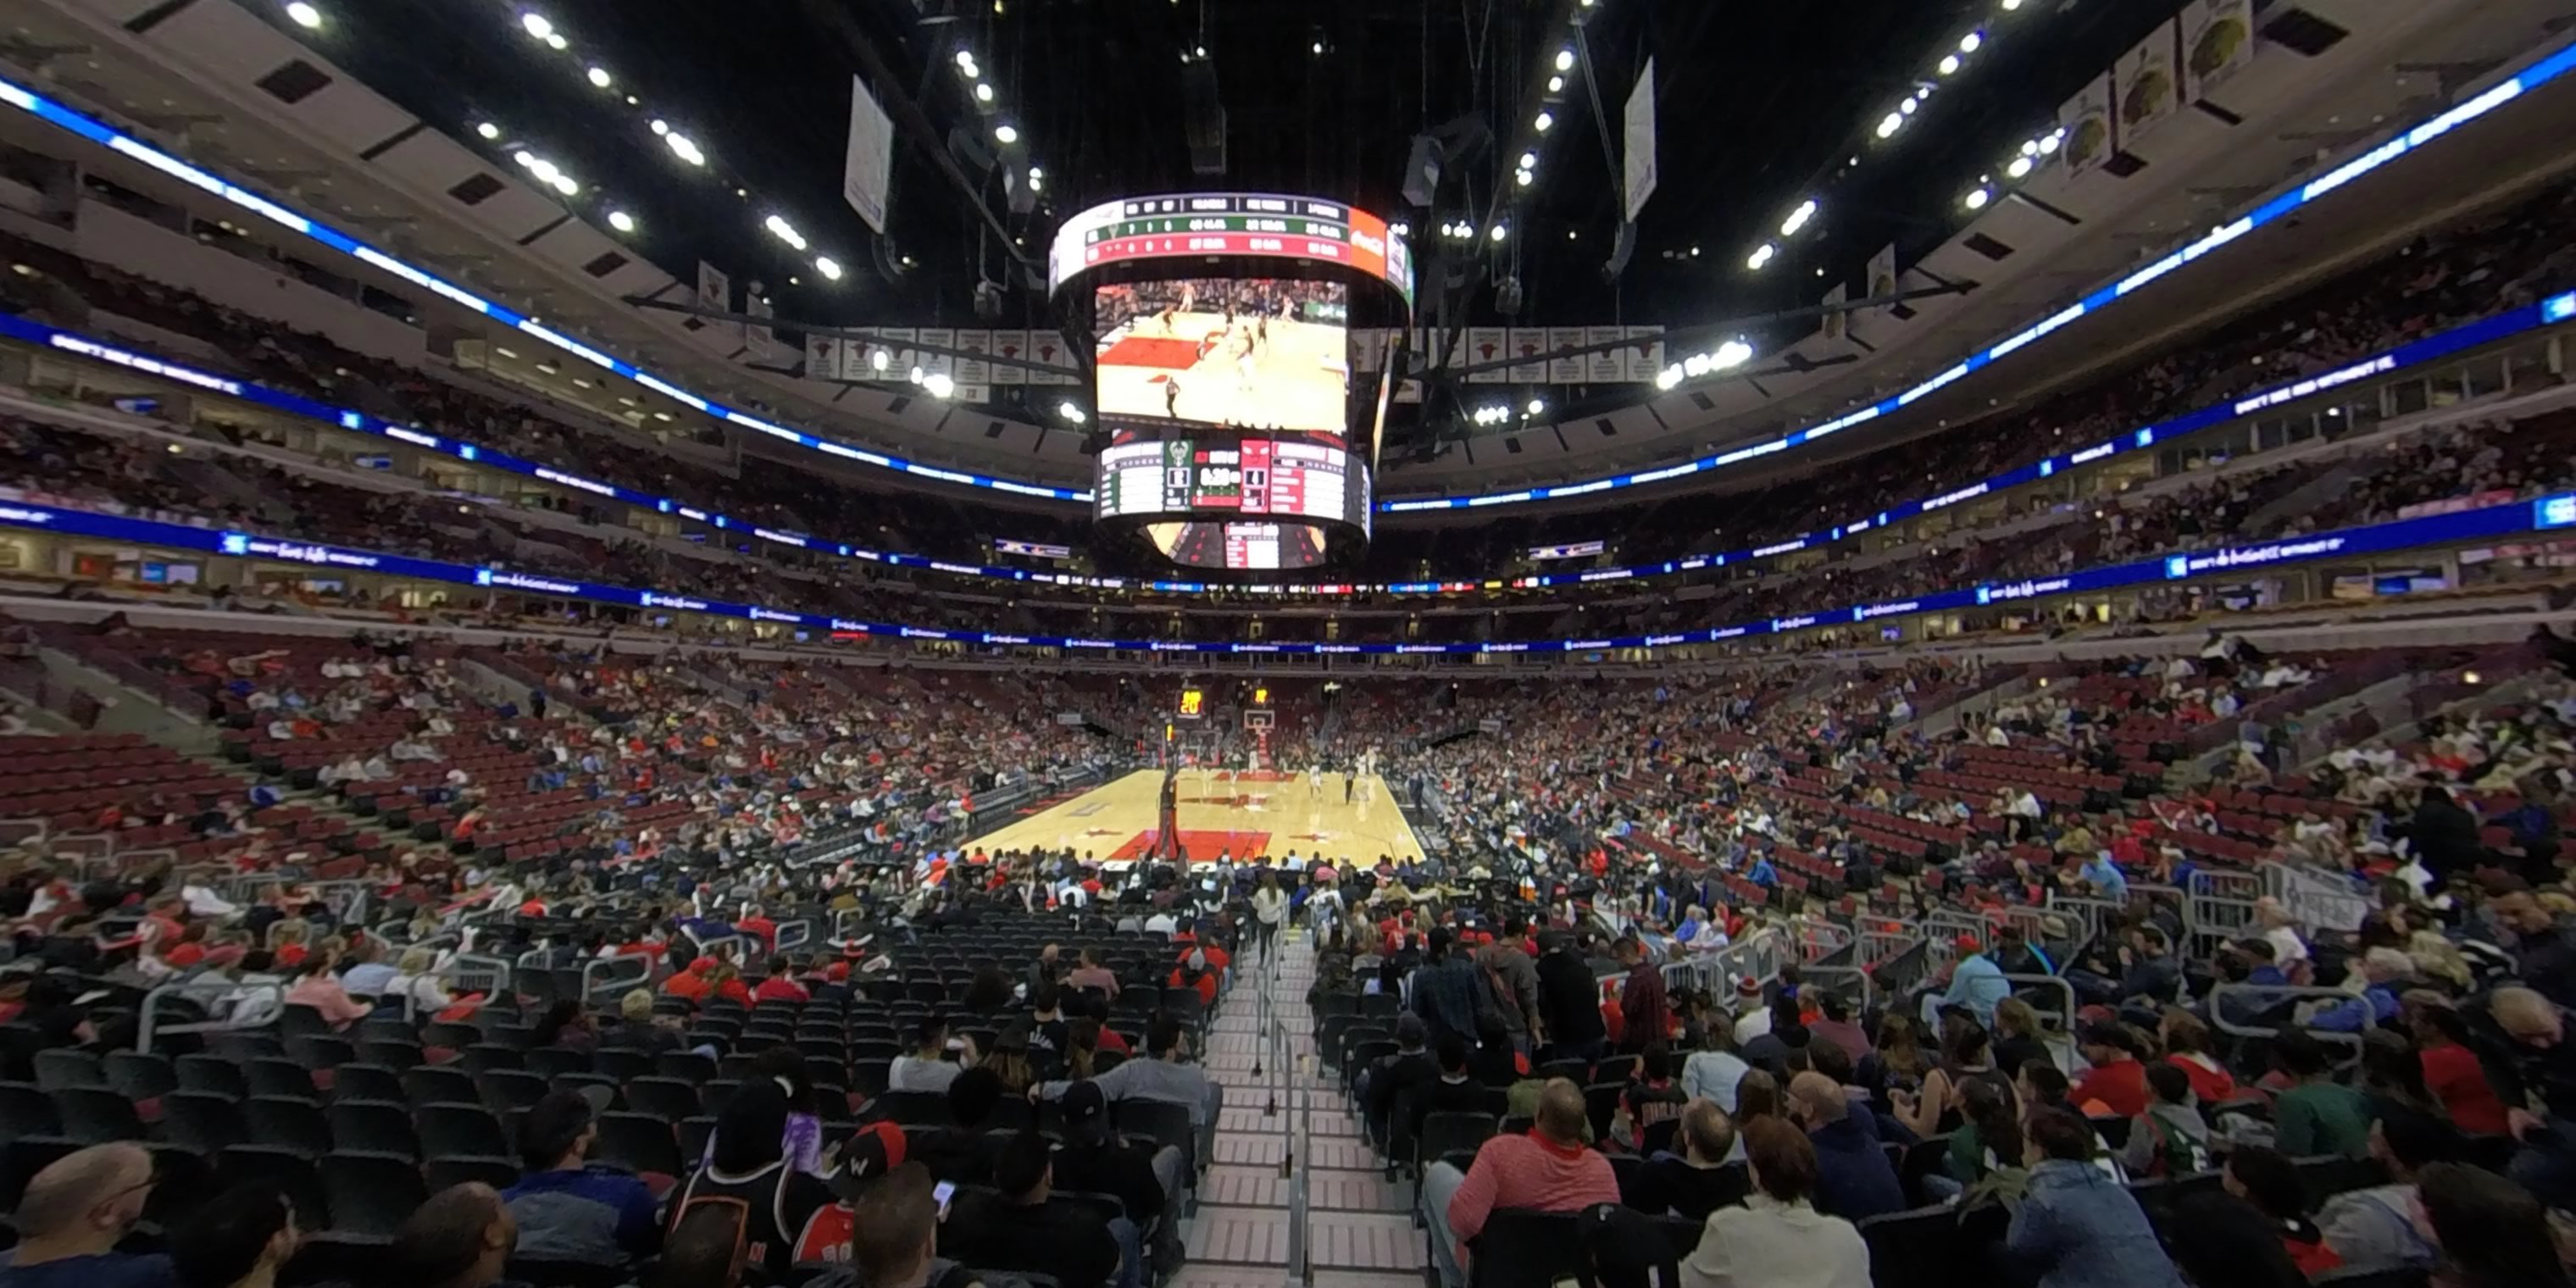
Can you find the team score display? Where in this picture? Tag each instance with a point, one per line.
(1252, 353)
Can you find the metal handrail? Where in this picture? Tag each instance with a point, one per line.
(2279, 993)
(2057, 982)
(147, 1020)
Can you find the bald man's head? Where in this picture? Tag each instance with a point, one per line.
(460, 1238)
(1707, 1132)
(89, 1195)
(1560, 1111)
(2530, 1018)
(1817, 1100)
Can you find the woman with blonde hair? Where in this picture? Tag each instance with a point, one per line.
(2438, 960)
(416, 984)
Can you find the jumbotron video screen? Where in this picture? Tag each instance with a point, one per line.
(1247, 352)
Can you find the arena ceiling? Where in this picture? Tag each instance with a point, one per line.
(1761, 105)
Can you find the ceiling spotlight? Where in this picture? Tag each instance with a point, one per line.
(621, 221)
(1907, 107)
(2049, 144)
(527, 160)
(829, 267)
(939, 383)
(599, 76)
(1888, 126)
(1498, 232)
(557, 42)
(661, 127)
(1545, 120)
(1968, 43)
(1565, 60)
(304, 15)
(1070, 411)
(537, 25)
(2030, 147)
(684, 148)
(1978, 198)
(1668, 377)
(1400, 229)
(1761, 257)
(2020, 166)
(1537, 406)
(983, 92)
(965, 59)
(1949, 64)
(1523, 178)
(1730, 355)
(1006, 132)
(779, 227)
(632, 101)
(1798, 218)
(563, 183)
(916, 373)
(2010, 5)
(1319, 46)
(488, 130)
(877, 359)
(1037, 182)
(1555, 84)
(1529, 160)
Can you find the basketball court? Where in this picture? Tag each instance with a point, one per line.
(1239, 813)
(1294, 378)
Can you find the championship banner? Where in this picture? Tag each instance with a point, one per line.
(1645, 354)
(975, 370)
(823, 357)
(2217, 43)
(1487, 344)
(715, 291)
(1606, 366)
(1563, 370)
(931, 363)
(1047, 347)
(1527, 342)
(1010, 344)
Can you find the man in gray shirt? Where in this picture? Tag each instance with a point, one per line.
(927, 1066)
(1162, 1078)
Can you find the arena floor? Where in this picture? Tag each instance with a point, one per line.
(1221, 811)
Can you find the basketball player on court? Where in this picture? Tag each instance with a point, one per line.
(1314, 780)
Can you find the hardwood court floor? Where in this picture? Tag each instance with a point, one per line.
(1239, 813)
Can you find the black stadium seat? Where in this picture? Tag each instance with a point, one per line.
(371, 1193)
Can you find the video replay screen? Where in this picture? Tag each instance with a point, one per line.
(1244, 352)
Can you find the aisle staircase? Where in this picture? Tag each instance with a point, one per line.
(1359, 1231)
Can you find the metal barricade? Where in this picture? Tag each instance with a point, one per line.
(1876, 947)
(1944, 927)
(2219, 906)
(2028, 987)
(252, 1006)
(2091, 915)
(1850, 981)
(2259, 998)
(615, 975)
(795, 934)
(1818, 939)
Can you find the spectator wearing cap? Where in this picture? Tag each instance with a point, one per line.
(1778, 1238)
(1094, 1160)
(1024, 1232)
(564, 1210)
(1752, 1018)
(872, 1154)
(1976, 983)
(2077, 1227)
(1853, 1177)
(1392, 1083)
(1546, 1169)
(2117, 1079)
(1197, 972)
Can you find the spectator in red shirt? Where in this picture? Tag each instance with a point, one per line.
(2187, 1048)
(781, 986)
(757, 924)
(1545, 1170)
(2453, 1073)
(2118, 1080)
(691, 984)
(1194, 972)
(726, 982)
